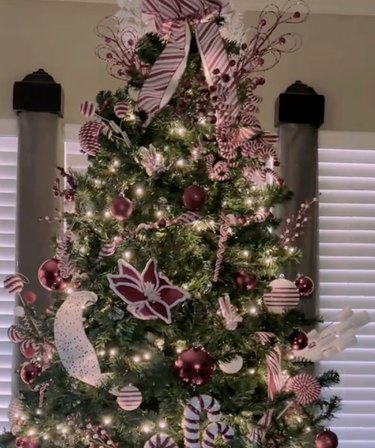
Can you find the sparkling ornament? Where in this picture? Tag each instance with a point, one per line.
(194, 197)
(29, 373)
(121, 208)
(14, 335)
(326, 439)
(29, 297)
(19, 311)
(129, 398)
(29, 349)
(244, 280)
(233, 366)
(283, 296)
(298, 340)
(49, 276)
(194, 366)
(88, 137)
(305, 285)
(306, 388)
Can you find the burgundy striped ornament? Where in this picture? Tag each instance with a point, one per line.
(87, 109)
(129, 398)
(29, 349)
(121, 109)
(108, 250)
(88, 137)
(284, 296)
(14, 283)
(14, 335)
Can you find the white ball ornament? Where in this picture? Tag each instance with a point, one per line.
(129, 398)
(233, 366)
(283, 296)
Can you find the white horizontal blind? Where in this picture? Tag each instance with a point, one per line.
(347, 273)
(8, 173)
(74, 158)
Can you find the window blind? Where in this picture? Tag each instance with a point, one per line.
(347, 273)
(8, 174)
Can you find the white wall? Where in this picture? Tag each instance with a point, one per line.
(337, 59)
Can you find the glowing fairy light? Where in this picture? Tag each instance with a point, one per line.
(162, 424)
(89, 214)
(147, 356)
(107, 420)
(180, 163)
(146, 428)
(139, 192)
(246, 253)
(137, 359)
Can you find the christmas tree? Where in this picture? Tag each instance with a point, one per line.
(191, 336)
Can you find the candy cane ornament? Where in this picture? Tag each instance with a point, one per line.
(160, 441)
(190, 423)
(214, 430)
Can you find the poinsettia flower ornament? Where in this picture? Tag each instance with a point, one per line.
(149, 295)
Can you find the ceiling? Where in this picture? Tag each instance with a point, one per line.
(346, 7)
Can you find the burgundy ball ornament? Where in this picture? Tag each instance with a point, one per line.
(244, 280)
(194, 366)
(305, 285)
(298, 340)
(121, 208)
(29, 373)
(326, 439)
(49, 276)
(27, 442)
(194, 197)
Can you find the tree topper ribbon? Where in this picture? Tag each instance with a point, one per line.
(174, 19)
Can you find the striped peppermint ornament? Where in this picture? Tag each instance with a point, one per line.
(306, 388)
(14, 283)
(129, 398)
(14, 335)
(214, 430)
(160, 441)
(88, 137)
(87, 109)
(192, 413)
(284, 296)
(121, 109)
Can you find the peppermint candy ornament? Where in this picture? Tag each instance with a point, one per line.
(121, 109)
(129, 398)
(88, 137)
(284, 296)
(306, 388)
(87, 109)
(14, 283)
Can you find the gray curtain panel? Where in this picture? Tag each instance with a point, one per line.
(40, 150)
(298, 152)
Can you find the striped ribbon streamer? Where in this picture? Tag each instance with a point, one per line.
(275, 382)
(174, 19)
